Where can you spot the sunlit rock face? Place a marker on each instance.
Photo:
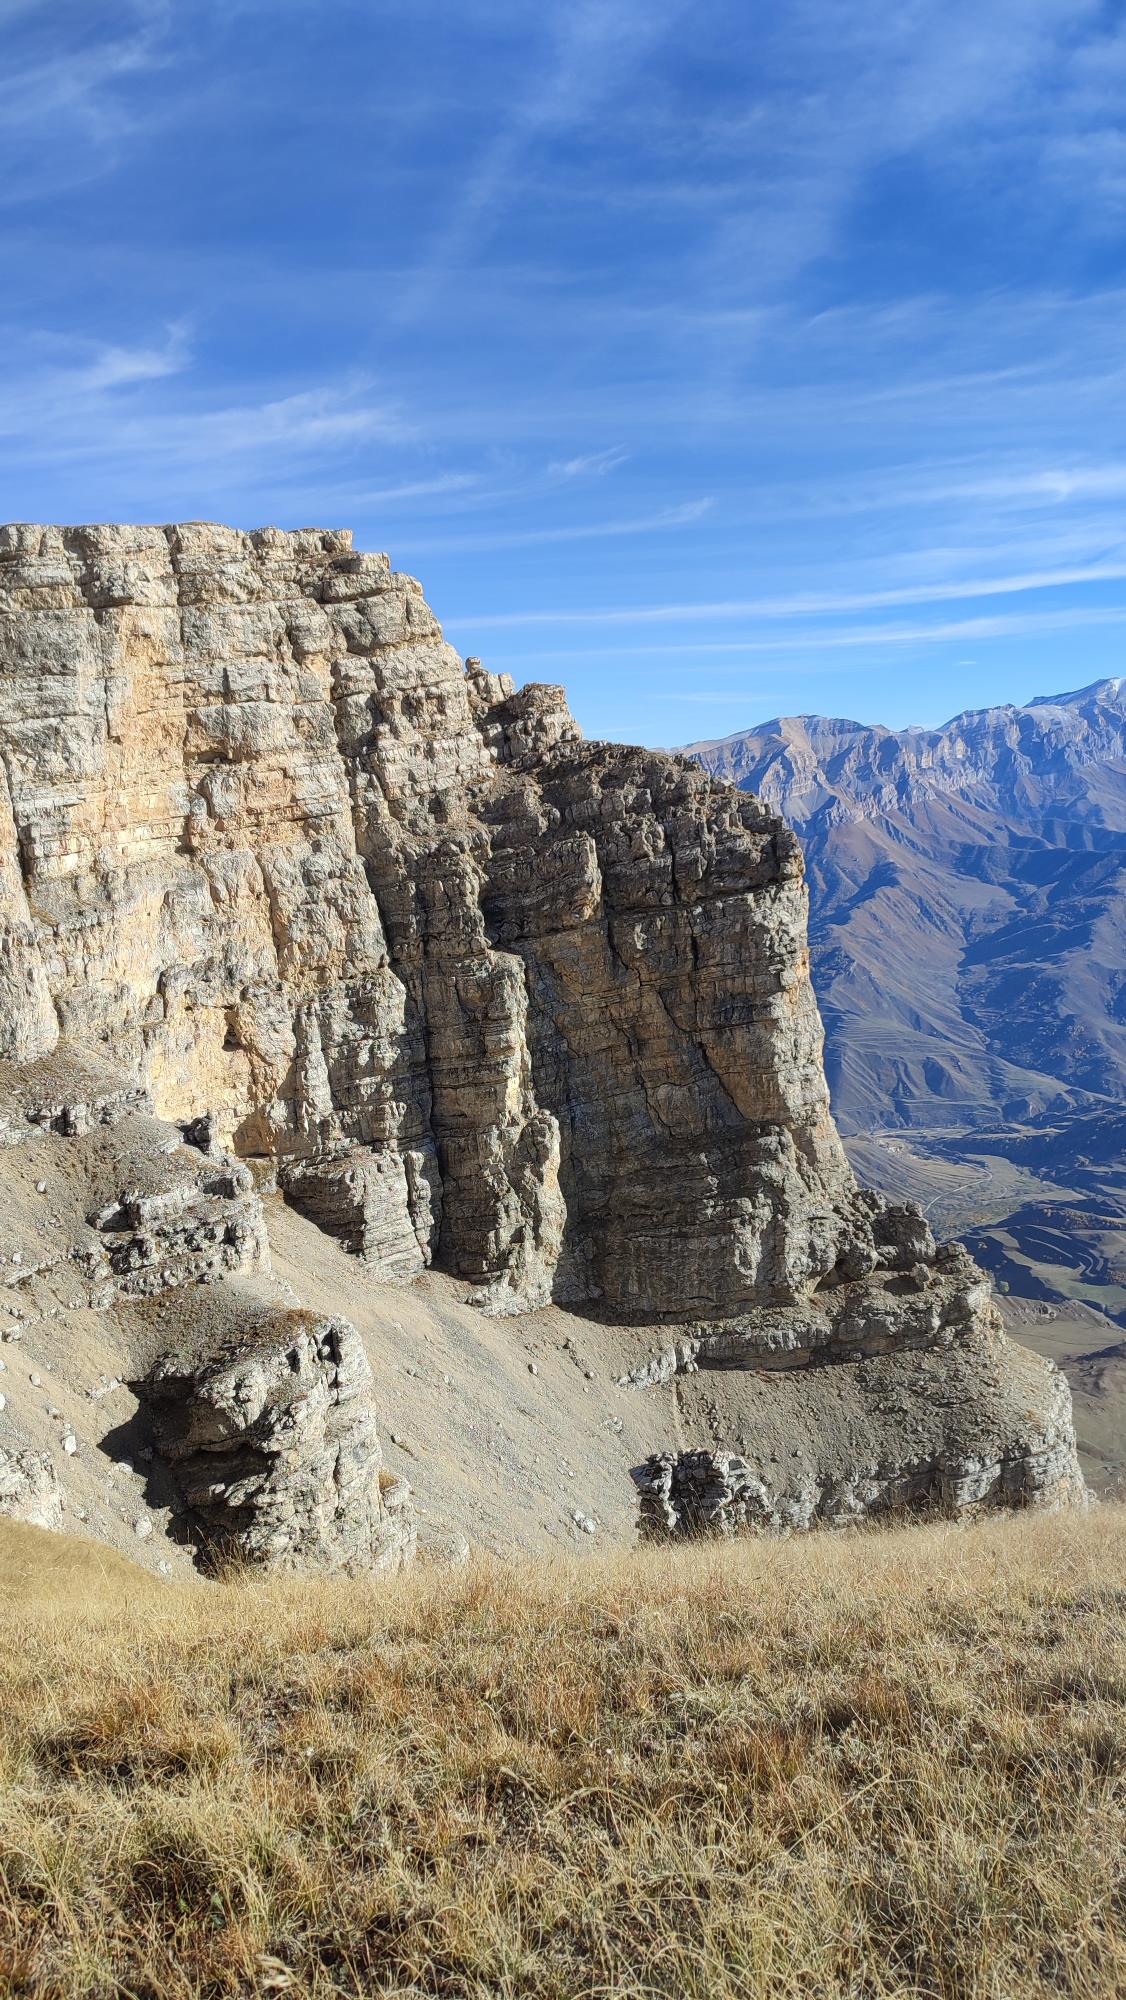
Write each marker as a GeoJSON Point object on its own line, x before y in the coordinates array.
{"type": "Point", "coordinates": [536, 1009]}
{"type": "Point", "coordinates": [288, 892]}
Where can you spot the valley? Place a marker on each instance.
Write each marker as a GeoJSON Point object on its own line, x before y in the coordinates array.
{"type": "Point", "coordinates": [968, 945]}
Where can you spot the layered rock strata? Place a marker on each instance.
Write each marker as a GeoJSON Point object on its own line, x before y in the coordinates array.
{"type": "Point", "coordinates": [479, 992]}
{"type": "Point", "coordinates": [290, 896]}
{"type": "Point", "coordinates": [919, 1449]}
{"type": "Point", "coordinates": [931, 1409]}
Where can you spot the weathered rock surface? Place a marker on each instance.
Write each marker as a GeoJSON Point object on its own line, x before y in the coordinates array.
{"type": "Point", "coordinates": [30, 1489]}
{"type": "Point", "coordinates": [936, 1410]}
{"type": "Point", "coordinates": [138, 1262]}
{"type": "Point", "coordinates": [289, 897]}
{"type": "Point", "coordinates": [483, 993]}
{"type": "Point", "coordinates": [194, 1230]}
{"type": "Point", "coordinates": [1027, 1459]}
{"type": "Point", "coordinates": [934, 1302]}
{"type": "Point", "coordinates": [274, 1447]}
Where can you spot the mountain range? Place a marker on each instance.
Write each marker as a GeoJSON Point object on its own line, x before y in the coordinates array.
{"type": "Point", "coordinates": [968, 939]}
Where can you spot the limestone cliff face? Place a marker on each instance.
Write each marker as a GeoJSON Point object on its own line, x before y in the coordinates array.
{"type": "Point", "coordinates": [535, 1009]}
{"type": "Point", "coordinates": [288, 893]}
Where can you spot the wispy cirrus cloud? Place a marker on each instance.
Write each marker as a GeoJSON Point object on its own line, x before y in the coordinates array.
{"type": "Point", "coordinates": [870, 638]}
{"type": "Point", "coordinates": [573, 531]}
{"type": "Point", "coordinates": [125, 451]}
{"type": "Point", "coordinates": [442, 486]}
{"type": "Point", "coordinates": [66, 77]}
{"type": "Point", "coordinates": [118, 367]}
{"type": "Point", "coordinates": [1049, 484]}
{"type": "Point", "coordinates": [582, 54]}
{"type": "Point", "coordinates": [588, 465]}
{"type": "Point", "coordinates": [314, 418]}
{"type": "Point", "coordinates": [96, 401]}
{"type": "Point", "coordinates": [505, 301]}
{"type": "Point", "coordinates": [806, 604]}
{"type": "Point", "coordinates": [62, 375]}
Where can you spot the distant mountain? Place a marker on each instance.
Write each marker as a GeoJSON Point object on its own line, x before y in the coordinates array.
{"type": "Point", "coordinates": [968, 930]}
{"type": "Point", "coordinates": [969, 903]}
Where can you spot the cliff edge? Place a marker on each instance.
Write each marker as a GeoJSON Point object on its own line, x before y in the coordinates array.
{"type": "Point", "coordinates": [379, 930]}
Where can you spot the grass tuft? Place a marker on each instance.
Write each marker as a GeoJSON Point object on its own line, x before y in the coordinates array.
{"type": "Point", "coordinates": [871, 1765]}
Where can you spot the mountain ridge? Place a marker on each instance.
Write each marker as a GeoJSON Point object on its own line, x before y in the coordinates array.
{"type": "Point", "coordinates": [997, 845]}
{"type": "Point", "coordinates": [968, 947]}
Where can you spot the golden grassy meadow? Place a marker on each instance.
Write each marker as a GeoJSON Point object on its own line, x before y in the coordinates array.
{"type": "Point", "coordinates": [863, 1765]}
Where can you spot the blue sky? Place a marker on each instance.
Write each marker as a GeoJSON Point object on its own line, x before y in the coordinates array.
{"type": "Point", "coordinates": [717, 360]}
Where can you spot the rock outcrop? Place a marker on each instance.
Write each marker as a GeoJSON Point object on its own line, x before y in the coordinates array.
{"type": "Point", "coordinates": [30, 1489]}
{"type": "Point", "coordinates": [292, 898]}
{"type": "Point", "coordinates": [897, 1394]}
{"type": "Point", "coordinates": [275, 1450]}
{"type": "Point", "coordinates": [255, 1425]}
{"type": "Point", "coordinates": [952, 1439]}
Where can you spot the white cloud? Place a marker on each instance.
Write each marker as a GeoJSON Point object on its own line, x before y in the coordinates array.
{"type": "Point", "coordinates": [1053, 483]}
{"type": "Point", "coordinates": [316, 417]}
{"type": "Point", "coordinates": [594, 465]}
{"type": "Point", "coordinates": [806, 604]}
{"type": "Point", "coordinates": [439, 487]}
{"type": "Point", "coordinates": [112, 367]}
{"type": "Point", "coordinates": [62, 115]}
{"type": "Point", "coordinates": [574, 531]}
{"type": "Point", "coordinates": [94, 402]}
{"type": "Point", "coordinates": [870, 638]}
{"type": "Point", "coordinates": [585, 54]}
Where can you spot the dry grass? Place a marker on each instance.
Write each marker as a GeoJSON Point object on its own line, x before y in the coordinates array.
{"type": "Point", "coordinates": [874, 1765]}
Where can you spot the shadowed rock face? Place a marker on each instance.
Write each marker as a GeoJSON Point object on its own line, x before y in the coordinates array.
{"type": "Point", "coordinates": [485, 994]}
{"type": "Point", "coordinates": [135, 1268]}
{"type": "Point", "coordinates": [274, 1447]}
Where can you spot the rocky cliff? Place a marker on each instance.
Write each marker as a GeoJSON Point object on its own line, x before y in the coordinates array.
{"type": "Point", "coordinates": [381, 927]}
{"type": "Point", "coordinates": [484, 993]}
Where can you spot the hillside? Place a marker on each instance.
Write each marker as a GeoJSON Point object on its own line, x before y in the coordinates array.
{"type": "Point", "coordinates": [968, 905]}
{"type": "Point", "coordinates": [883, 1764]}
{"type": "Point", "coordinates": [414, 1122]}
{"type": "Point", "coordinates": [968, 936]}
